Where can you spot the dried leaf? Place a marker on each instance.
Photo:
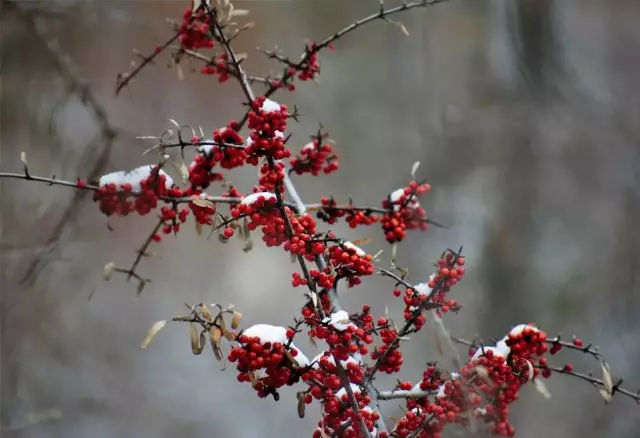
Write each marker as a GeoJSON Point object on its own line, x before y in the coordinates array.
{"type": "Point", "coordinates": [229, 336]}
{"type": "Point", "coordinates": [363, 241]}
{"type": "Point", "coordinates": [179, 72]}
{"type": "Point", "coordinates": [193, 334]}
{"type": "Point", "coordinates": [216, 335]}
{"type": "Point", "coordinates": [313, 341]}
{"type": "Point", "coordinates": [23, 158]}
{"type": "Point", "coordinates": [141, 286]}
{"type": "Point", "coordinates": [606, 377]}
{"type": "Point", "coordinates": [108, 271]}
{"type": "Point", "coordinates": [394, 252]}
{"type": "Point", "coordinates": [248, 245]}
{"type": "Point", "coordinates": [198, 227]}
{"type": "Point", "coordinates": [238, 13]}
{"type": "Point", "coordinates": [204, 203]}
{"type": "Point", "coordinates": [206, 313]}
{"type": "Point", "coordinates": [155, 328]}
{"type": "Point", "coordinates": [414, 169]}
{"type": "Point", "coordinates": [235, 320]}
{"type": "Point", "coordinates": [606, 395]}
{"type": "Point", "coordinates": [530, 370]}
{"type": "Point", "coordinates": [403, 29]}
{"type": "Point", "coordinates": [203, 341]}
{"type": "Point", "coordinates": [301, 404]}
{"type": "Point", "coordinates": [184, 172]}
{"type": "Point", "coordinates": [542, 388]}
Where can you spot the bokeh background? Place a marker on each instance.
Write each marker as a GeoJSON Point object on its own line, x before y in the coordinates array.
{"type": "Point", "coordinates": [524, 115]}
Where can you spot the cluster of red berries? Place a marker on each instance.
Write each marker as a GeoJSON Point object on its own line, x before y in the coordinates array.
{"type": "Point", "coordinates": [195, 30]}
{"type": "Point", "coordinates": [310, 68]}
{"type": "Point", "coordinates": [387, 355]}
{"type": "Point", "coordinates": [350, 262]}
{"type": "Point", "coordinates": [224, 153]}
{"type": "Point", "coordinates": [405, 212]}
{"type": "Point", "coordinates": [219, 66]}
{"type": "Point", "coordinates": [120, 199]}
{"type": "Point", "coordinates": [267, 365]}
{"type": "Point", "coordinates": [450, 271]}
{"type": "Point", "coordinates": [485, 386]}
{"type": "Point", "coordinates": [330, 213]}
{"type": "Point", "coordinates": [172, 219]}
{"type": "Point", "coordinates": [315, 158]}
{"type": "Point", "coordinates": [267, 121]}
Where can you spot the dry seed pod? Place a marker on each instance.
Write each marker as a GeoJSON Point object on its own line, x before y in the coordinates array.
{"type": "Point", "coordinates": [193, 335]}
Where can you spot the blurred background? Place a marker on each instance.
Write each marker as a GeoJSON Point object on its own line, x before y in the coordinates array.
{"type": "Point", "coordinates": [524, 115]}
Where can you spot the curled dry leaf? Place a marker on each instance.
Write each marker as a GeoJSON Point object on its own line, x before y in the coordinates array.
{"type": "Point", "coordinates": [108, 271]}
{"type": "Point", "coordinates": [215, 336]}
{"type": "Point", "coordinates": [155, 328]}
{"type": "Point", "coordinates": [235, 320]}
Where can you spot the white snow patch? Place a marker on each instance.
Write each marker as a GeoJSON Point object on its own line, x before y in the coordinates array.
{"type": "Point", "coordinates": [133, 177]}
{"type": "Point", "coordinates": [271, 333]}
{"type": "Point", "coordinates": [339, 320]}
{"type": "Point", "coordinates": [359, 251]}
{"type": "Point", "coordinates": [269, 106]}
{"type": "Point", "coordinates": [395, 197]}
{"type": "Point", "coordinates": [482, 351]}
{"type": "Point", "coordinates": [254, 197]}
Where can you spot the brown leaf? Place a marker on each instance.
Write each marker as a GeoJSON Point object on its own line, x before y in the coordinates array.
{"type": "Point", "coordinates": [155, 328]}
{"type": "Point", "coordinates": [301, 404]}
{"type": "Point", "coordinates": [198, 227]}
{"type": "Point", "coordinates": [235, 320]}
{"type": "Point", "coordinates": [215, 336]}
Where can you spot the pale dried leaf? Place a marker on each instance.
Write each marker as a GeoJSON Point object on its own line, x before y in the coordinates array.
{"type": "Point", "coordinates": [606, 377]}
{"type": "Point", "coordinates": [203, 203]}
{"type": "Point", "coordinates": [313, 342]}
{"type": "Point", "coordinates": [403, 29]}
{"type": "Point", "coordinates": [179, 72]}
{"type": "Point", "coordinates": [235, 320]}
{"type": "Point", "coordinates": [184, 171]}
{"type": "Point", "coordinates": [206, 313]}
{"type": "Point", "coordinates": [108, 271]}
{"type": "Point", "coordinates": [542, 388]}
{"type": "Point", "coordinates": [606, 395]}
{"type": "Point", "coordinates": [530, 372]}
{"type": "Point", "coordinates": [363, 241]}
{"type": "Point", "coordinates": [238, 13]}
{"type": "Point", "coordinates": [198, 227]}
{"type": "Point", "coordinates": [193, 335]}
{"type": "Point", "coordinates": [23, 158]}
{"type": "Point", "coordinates": [155, 328]}
{"type": "Point", "coordinates": [414, 169]}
